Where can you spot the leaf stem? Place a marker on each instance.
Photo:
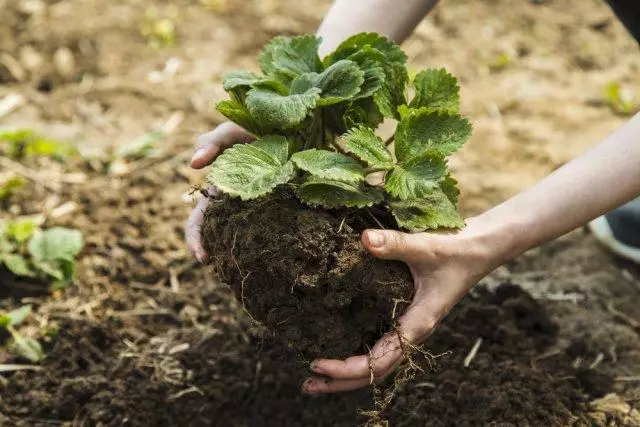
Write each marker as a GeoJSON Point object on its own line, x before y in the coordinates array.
{"type": "Point", "coordinates": [368, 171]}
{"type": "Point", "coordinates": [389, 140]}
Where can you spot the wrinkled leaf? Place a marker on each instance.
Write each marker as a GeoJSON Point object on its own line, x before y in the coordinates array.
{"type": "Point", "coordinates": [374, 79]}
{"type": "Point", "coordinates": [17, 264]}
{"type": "Point", "coordinates": [287, 57]}
{"type": "Point", "coordinates": [437, 90]}
{"type": "Point", "coordinates": [252, 170]}
{"type": "Point", "coordinates": [352, 45]}
{"type": "Point", "coordinates": [329, 165]}
{"type": "Point", "coordinates": [339, 82]}
{"type": "Point", "coordinates": [425, 130]}
{"type": "Point", "coordinates": [416, 177]}
{"type": "Point", "coordinates": [335, 194]}
{"type": "Point", "coordinates": [56, 243]}
{"type": "Point", "coordinates": [239, 114]}
{"type": "Point", "coordinates": [362, 112]}
{"type": "Point", "coordinates": [449, 187]}
{"type": "Point", "coordinates": [283, 112]}
{"type": "Point", "coordinates": [368, 147]}
{"type": "Point", "coordinates": [433, 211]}
{"type": "Point", "coordinates": [392, 94]}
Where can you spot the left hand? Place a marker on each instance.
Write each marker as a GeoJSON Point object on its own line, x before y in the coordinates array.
{"type": "Point", "coordinates": [444, 267]}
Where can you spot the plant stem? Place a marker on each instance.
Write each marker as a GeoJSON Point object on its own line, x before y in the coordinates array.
{"type": "Point", "coordinates": [368, 171]}
{"type": "Point", "coordinates": [389, 140]}
{"type": "Point", "coordinates": [338, 148]}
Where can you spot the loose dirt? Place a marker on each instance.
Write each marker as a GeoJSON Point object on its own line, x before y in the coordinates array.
{"type": "Point", "coordinates": [148, 338]}
{"type": "Point", "coordinates": [306, 276]}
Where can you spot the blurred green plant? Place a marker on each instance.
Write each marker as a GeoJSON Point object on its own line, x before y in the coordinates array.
{"type": "Point", "coordinates": [159, 31]}
{"type": "Point", "coordinates": [500, 62]}
{"type": "Point", "coordinates": [619, 99]}
{"type": "Point", "coordinates": [10, 185]}
{"type": "Point", "coordinates": [20, 143]}
{"type": "Point", "coordinates": [28, 251]}
{"type": "Point", "coordinates": [29, 348]}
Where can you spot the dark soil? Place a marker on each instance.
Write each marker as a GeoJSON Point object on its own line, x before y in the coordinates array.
{"type": "Point", "coordinates": [304, 273]}
{"type": "Point", "coordinates": [230, 378]}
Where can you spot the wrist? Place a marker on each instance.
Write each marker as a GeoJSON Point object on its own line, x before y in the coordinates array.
{"type": "Point", "coordinates": [496, 240]}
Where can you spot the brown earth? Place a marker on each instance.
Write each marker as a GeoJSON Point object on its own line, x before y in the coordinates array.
{"type": "Point", "coordinates": [147, 338]}
{"type": "Point", "coordinates": [306, 276]}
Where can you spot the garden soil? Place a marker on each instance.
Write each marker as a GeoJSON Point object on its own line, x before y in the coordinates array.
{"type": "Point", "coordinates": [145, 337]}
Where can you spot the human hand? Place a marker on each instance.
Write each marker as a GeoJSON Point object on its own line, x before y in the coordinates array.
{"type": "Point", "coordinates": [444, 267]}
{"type": "Point", "coordinates": [209, 146]}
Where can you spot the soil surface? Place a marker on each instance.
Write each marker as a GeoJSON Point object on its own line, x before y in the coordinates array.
{"type": "Point", "coordinates": [148, 338]}
{"type": "Point", "coordinates": [306, 276]}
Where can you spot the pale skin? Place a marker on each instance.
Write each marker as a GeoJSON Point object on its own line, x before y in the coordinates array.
{"type": "Point", "coordinates": [446, 266]}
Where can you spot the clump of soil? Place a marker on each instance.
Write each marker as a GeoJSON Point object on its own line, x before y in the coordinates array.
{"type": "Point", "coordinates": [304, 273]}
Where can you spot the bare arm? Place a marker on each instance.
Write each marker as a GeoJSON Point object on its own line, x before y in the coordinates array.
{"type": "Point", "coordinates": [395, 19]}
{"type": "Point", "coordinates": [598, 181]}
{"type": "Point", "coordinates": [446, 266]}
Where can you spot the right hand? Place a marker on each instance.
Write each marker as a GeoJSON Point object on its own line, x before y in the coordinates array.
{"type": "Point", "coordinates": [209, 146]}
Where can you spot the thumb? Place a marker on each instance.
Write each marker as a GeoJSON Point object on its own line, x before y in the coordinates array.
{"type": "Point", "coordinates": [395, 245]}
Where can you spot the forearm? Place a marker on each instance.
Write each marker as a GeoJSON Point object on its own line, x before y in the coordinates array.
{"type": "Point", "coordinates": [598, 181]}
{"type": "Point", "coordinates": [392, 18]}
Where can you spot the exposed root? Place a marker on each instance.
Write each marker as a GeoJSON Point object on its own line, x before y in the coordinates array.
{"type": "Point", "coordinates": [414, 357]}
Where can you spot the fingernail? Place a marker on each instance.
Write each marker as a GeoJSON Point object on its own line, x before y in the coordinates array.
{"type": "Point", "coordinates": [375, 238]}
{"type": "Point", "coordinates": [198, 154]}
{"type": "Point", "coordinates": [306, 385]}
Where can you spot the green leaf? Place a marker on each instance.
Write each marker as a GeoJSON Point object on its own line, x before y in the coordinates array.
{"type": "Point", "coordinates": [15, 317]}
{"type": "Point", "coordinates": [362, 112]}
{"type": "Point", "coordinates": [283, 112]}
{"type": "Point", "coordinates": [368, 147]}
{"type": "Point", "coordinates": [287, 57]}
{"type": "Point", "coordinates": [50, 268]}
{"type": "Point", "coordinates": [26, 347]}
{"type": "Point", "coordinates": [329, 165]}
{"type": "Point", "coordinates": [416, 177]}
{"type": "Point", "coordinates": [252, 170]}
{"type": "Point", "coordinates": [425, 130]}
{"type": "Point", "coordinates": [239, 78]}
{"type": "Point", "coordinates": [374, 79]}
{"type": "Point", "coordinates": [56, 243]}
{"type": "Point", "coordinates": [357, 42]}
{"type": "Point", "coordinates": [433, 211]}
{"type": "Point", "coordinates": [142, 147]}
{"type": "Point", "coordinates": [17, 264]}
{"type": "Point", "coordinates": [449, 187]}
{"type": "Point", "coordinates": [10, 186]}
{"type": "Point", "coordinates": [339, 82]}
{"type": "Point", "coordinates": [437, 90]}
{"type": "Point", "coordinates": [393, 91]}
{"type": "Point", "coordinates": [334, 194]}
{"type": "Point", "coordinates": [20, 230]}
{"type": "Point", "coordinates": [239, 114]}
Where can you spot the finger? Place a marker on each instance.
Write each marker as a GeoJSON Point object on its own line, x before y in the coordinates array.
{"type": "Point", "coordinates": [391, 244]}
{"type": "Point", "coordinates": [192, 230]}
{"type": "Point", "coordinates": [384, 357]}
{"type": "Point", "coordinates": [317, 385]}
{"type": "Point", "coordinates": [211, 144]}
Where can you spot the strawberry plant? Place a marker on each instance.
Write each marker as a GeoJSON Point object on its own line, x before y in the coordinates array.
{"type": "Point", "coordinates": [26, 347]}
{"type": "Point", "coordinates": [49, 254]}
{"type": "Point", "coordinates": [315, 122]}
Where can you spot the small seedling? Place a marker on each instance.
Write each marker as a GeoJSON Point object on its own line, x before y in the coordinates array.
{"type": "Point", "coordinates": [315, 120]}
{"type": "Point", "coordinates": [49, 254]}
{"type": "Point", "coordinates": [619, 99]}
{"type": "Point", "coordinates": [159, 31]}
{"type": "Point", "coordinates": [26, 347]}
{"type": "Point", "coordinates": [21, 143]}
{"type": "Point", "coordinates": [9, 185]}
